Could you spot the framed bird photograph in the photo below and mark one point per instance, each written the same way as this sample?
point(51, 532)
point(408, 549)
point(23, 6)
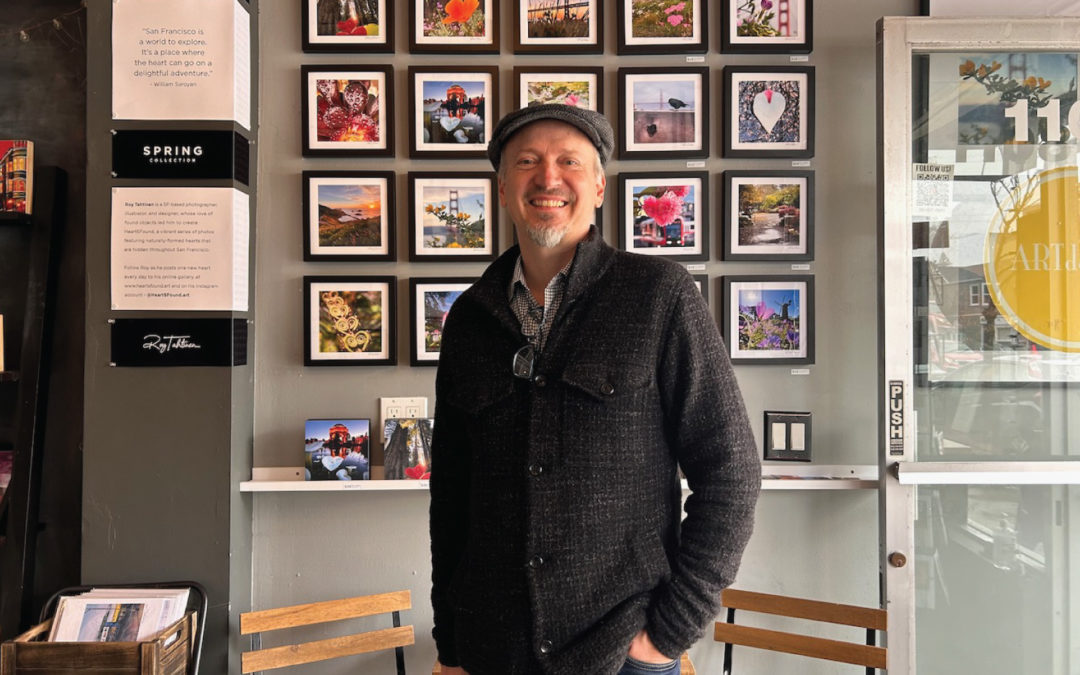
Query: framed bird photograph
point(664, 214)
point(347, 110)
point(350, 320)
point(348, 25)
point(768, 215)
point(451, 110)
point(766, 26)
point(452, 216)
point(662, 26)
point(769, 111)
point(430, 299)
point(348, 215)
point(558, 26)
point(769, 319)
point(580, 86)
point(454, 26)
point(663, 113)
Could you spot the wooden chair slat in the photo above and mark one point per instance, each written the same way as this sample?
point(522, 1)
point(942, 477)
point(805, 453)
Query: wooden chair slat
point(821, 648)
point(848, 615)
point(320, 612)
point(321, 650)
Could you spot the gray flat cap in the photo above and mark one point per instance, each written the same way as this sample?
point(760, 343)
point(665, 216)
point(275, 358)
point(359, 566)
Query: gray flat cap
point(594, 125)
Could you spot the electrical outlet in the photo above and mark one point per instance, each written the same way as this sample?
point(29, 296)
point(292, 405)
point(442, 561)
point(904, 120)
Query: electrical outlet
point(413, 407)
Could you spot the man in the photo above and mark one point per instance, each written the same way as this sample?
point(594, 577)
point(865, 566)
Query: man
point(573, 381)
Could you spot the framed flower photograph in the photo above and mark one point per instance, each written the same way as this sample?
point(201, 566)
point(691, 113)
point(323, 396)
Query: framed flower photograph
point(664, 214)
point(769, 111)
point(766, 26)
point(451, 110)
point(348, 215)
point(768, 215)
point(576, 86)
point(769, 319)
point(350, 321)
point(337, 449)
point(663, 113)
point(452, 216)
point(454, 26)
point(348, 25)
point(662, 26)
point(347, 110)
point(430, 299)
point(558, 27)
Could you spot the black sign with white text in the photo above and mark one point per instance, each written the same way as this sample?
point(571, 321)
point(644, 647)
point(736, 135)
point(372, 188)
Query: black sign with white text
point(145, 343)
point(180, 154)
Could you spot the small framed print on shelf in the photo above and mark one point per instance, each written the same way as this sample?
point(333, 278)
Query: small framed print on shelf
point(452, 216)
point(663, 113)
point(347, 110)
point(768, 215)
point(454, 26)
point(451, 110)
point(662, 26)
point(350, 26)
point(769, 319)
point(337, 449)
point(576, 86)
point(348, 215)
point(429, 301)
point(664, 214)
point(769, 111)
point(350, 320)
point(766, 26)
point(558, 27)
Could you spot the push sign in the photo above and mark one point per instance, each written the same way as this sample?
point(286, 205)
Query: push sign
point(896, 417)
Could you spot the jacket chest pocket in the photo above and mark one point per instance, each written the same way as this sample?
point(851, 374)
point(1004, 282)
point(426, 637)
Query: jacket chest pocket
point(610, 411)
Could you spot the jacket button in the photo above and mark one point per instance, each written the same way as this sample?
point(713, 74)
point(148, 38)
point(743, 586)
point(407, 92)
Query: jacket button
point(607, 389)
point(546, 646)
point(536, 562)
point(540, 380)
point(536, 469)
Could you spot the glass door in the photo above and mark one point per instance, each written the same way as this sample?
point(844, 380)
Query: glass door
point(980, 311)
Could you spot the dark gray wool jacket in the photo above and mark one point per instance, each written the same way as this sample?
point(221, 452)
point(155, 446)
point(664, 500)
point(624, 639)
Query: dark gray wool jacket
point(555, 502)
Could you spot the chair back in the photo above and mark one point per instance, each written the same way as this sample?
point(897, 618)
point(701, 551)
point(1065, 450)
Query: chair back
point(873, 620)
point(257, 622)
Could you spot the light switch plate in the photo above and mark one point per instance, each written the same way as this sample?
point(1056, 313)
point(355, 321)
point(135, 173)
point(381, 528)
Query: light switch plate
point(787, 436)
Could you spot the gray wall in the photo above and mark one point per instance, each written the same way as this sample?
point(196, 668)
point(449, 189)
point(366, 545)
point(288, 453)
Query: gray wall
point(317, 546)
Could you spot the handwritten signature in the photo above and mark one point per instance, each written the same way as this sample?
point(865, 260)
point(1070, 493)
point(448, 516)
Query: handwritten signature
point(165, 343)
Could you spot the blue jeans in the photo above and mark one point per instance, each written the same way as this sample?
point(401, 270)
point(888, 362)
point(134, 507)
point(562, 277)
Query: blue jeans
point(635, 667)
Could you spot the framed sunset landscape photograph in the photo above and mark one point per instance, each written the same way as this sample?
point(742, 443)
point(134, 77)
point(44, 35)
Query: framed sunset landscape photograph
point(348, 215)
point(558, 26)
point(347, 110)
point(769, 319)
point(454, 26)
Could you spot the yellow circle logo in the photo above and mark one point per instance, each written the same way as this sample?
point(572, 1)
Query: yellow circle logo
point(1032, 259)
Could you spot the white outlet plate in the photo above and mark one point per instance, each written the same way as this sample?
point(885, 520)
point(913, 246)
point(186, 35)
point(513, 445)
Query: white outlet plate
point(408, 407)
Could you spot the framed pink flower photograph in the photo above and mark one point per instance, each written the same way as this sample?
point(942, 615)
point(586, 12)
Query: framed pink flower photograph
point(662, 26)
point(664, 214)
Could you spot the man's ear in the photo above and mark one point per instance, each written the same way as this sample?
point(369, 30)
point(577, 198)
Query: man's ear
point(502, 192)
point(600, 188)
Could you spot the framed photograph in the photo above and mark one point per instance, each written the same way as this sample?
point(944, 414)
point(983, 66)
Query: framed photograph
point(664, 214)
point(451, 110)
point(768, 215)
point(558, 27)
point(350, 321)
point(407, 443)
point(337, 449)
point(662, 26)
point(348, 215)
point(769, 111)
point(347, 110)
point(454, 26)
point(769, 319)
point(452, 216)
point(429, 301)
point(766, 26)
point(578, 86)
point(702, 283)
point(348, 25)
point(663, 113)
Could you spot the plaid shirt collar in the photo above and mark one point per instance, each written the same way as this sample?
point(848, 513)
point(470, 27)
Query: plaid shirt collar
point(536, 319)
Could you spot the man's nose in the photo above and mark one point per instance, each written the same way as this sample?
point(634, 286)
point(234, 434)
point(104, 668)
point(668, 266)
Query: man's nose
point(549, 174)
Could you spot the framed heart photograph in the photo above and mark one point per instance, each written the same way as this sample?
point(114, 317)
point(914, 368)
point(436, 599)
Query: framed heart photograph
point(766, 26)
point(768, 215)
point(451, 110)
point(664, 214)
point(577, 86)
point(347, 111)
point(348, 215)
point(337, 449)
point(430, 299)
point(452, 216)
point(454, 26)
point(350, 320)
point(769, 319)
point(662, 26)
point(347, 25)
point(663, 113)
point(769, 111)
point(558, 27)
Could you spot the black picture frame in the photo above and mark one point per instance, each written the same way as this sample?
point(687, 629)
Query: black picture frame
point(336, 322)
point(734, 18)
point(320, 96)
point(315, 41)
point(702, 282)
point(442, 140)
point(753, 236)
point(676, 20)
point(425, 197)
point(646, 197)
point(347, 232)
point(593, 77)
point(661, 133)
point(450, 44)
point(591, 43)
point(420, 351)
point(766, 295)
point(769, 112)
